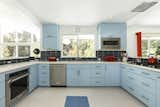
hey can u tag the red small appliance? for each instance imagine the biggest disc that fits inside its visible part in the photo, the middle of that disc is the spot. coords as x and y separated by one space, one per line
152 61
109 58
52 59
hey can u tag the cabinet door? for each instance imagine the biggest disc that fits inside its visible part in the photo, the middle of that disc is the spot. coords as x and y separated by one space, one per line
50 42
73 77
84 75
33 78
2 102
158 92
112 75
50 36
2 90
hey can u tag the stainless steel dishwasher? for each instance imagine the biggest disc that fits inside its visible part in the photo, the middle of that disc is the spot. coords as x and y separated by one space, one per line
58 74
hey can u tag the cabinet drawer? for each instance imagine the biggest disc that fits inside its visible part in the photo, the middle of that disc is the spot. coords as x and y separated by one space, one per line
148 84
99 67
98 83
44 82
46 78
98 74
43 67
146 73
132 89
44 72
147 98
132 78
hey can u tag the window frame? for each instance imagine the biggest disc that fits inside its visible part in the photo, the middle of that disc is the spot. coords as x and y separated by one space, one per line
77 35
18 43
149 39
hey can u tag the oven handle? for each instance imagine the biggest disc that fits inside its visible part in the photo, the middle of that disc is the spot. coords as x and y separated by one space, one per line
17 78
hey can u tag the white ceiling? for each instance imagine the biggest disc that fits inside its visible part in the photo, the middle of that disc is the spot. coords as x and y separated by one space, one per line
81 12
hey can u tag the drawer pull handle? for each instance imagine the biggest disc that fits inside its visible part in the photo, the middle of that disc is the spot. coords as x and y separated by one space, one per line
145 98
131 88
98 82
145 84
131 78
131 69
97 73
145 73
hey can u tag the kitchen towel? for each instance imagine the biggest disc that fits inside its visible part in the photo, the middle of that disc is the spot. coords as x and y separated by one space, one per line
76 101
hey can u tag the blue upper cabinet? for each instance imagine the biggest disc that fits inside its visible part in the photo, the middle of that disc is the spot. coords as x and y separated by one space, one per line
50 36
114 30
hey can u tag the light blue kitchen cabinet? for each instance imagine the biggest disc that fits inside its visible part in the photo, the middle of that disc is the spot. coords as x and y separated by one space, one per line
78 75
112 74
2 90
50 36
73 75
139 82
114 30
33 77
158 90
84 75
43 75
97 75
123 77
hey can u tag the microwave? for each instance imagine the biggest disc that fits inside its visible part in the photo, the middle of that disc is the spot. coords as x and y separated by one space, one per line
110 43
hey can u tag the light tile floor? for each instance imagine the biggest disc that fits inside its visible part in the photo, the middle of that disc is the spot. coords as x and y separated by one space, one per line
98 97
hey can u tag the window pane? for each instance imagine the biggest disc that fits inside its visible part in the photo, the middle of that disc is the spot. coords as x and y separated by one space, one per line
86 45
24 37
86 48
9 51
144 48
9 37
69 46
144 44
153 47
23 51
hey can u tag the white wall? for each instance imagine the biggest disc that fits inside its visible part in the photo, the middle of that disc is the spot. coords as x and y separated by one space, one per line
13 16
131 37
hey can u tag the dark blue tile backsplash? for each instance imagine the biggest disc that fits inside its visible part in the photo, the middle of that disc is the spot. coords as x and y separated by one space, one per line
99 54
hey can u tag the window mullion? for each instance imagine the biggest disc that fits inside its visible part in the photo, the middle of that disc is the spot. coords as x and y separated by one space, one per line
77 45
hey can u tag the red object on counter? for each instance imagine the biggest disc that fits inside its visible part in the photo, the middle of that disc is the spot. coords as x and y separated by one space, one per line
152 60
139 44
109 58
52 59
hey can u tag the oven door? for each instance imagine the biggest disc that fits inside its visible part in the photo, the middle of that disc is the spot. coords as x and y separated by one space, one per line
16 88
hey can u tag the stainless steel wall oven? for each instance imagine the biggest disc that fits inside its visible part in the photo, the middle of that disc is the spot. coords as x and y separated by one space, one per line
17 86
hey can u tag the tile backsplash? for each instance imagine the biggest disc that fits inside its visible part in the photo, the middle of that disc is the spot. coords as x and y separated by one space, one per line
46 54
99 54
117 54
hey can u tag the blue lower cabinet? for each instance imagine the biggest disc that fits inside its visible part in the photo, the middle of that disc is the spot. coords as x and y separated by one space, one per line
78 75
147 98
112 75
43 75
2 102
158 91
2 90
140 85
33 78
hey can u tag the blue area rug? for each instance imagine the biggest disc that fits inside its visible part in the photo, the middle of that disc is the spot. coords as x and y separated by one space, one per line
76 101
